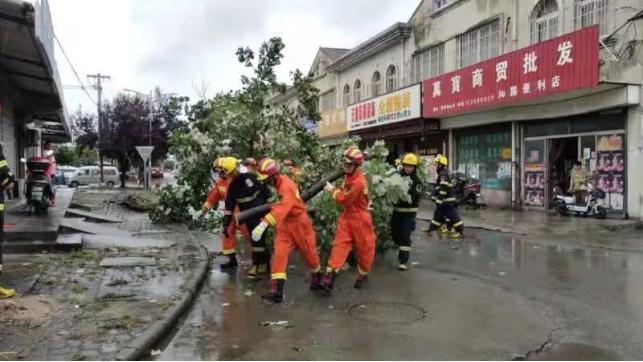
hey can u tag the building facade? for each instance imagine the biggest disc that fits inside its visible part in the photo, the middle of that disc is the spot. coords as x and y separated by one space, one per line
523 145
32 110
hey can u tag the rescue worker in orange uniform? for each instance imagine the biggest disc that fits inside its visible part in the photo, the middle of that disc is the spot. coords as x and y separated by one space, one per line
294 230
217 194
294 170
354 226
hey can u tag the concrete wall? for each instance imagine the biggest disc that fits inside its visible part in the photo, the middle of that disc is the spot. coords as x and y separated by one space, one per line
634 161
398 55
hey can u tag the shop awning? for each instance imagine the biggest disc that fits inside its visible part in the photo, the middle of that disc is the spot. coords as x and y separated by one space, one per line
27 61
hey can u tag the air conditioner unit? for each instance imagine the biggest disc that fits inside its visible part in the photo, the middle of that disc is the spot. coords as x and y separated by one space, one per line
33 138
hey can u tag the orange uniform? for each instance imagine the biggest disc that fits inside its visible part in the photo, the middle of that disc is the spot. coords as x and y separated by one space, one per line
218 193
293 228
354 226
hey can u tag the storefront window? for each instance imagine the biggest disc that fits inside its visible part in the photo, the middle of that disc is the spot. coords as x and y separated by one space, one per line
486 156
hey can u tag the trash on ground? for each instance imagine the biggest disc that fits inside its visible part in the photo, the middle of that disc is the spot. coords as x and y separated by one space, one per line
284 324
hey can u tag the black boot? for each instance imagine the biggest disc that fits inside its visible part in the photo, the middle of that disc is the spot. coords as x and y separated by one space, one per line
328 281
361 281
315 279
276 294
232 262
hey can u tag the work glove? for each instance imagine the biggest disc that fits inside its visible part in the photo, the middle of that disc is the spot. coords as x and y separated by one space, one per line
329 187
259 230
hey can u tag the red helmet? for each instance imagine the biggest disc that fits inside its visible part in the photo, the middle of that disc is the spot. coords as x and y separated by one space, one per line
354 156
266 168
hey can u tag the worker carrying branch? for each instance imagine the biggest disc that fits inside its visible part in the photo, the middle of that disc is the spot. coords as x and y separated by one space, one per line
294 230
354 226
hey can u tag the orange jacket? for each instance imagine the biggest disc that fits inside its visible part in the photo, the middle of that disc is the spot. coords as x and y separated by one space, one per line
353 193
289 204
217 193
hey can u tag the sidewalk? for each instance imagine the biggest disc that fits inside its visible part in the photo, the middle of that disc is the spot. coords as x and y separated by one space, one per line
547 225
112 300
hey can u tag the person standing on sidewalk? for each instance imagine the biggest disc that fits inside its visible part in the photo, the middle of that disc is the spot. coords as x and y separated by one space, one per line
354 226
218 193
6 182
294 230
444 198
404 212
245 192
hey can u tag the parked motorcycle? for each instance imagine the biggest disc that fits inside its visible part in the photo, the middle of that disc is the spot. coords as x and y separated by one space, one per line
39 189
468 191
565 203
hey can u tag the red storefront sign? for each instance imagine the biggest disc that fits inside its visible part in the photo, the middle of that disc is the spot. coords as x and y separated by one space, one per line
562 64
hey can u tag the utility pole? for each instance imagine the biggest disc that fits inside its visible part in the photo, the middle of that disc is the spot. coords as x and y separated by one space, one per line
99 89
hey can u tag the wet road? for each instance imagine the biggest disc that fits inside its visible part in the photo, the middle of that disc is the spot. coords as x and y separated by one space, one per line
492 296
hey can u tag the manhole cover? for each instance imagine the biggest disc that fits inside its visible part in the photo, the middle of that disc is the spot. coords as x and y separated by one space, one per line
387 312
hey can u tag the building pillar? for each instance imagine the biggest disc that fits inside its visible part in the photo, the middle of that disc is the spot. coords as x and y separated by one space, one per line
451 150
634 144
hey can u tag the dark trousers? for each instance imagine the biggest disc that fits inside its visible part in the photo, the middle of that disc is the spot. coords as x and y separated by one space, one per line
1 237
402 225
260 254
443 212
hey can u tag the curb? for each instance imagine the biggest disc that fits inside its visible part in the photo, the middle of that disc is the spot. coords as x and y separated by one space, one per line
142 344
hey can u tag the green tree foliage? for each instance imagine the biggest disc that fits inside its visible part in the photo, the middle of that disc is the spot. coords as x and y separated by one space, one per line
65 154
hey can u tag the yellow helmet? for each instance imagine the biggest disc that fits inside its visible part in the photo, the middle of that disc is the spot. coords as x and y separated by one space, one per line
411 159
228 165
442 160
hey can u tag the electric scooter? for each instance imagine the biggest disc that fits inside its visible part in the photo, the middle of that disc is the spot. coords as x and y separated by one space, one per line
566 203
39 190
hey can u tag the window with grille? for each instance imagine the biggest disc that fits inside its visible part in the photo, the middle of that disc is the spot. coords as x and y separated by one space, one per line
391 78
590 12
327 101
544 21
347 95
357 91
429 63
479 44
376 84
439 4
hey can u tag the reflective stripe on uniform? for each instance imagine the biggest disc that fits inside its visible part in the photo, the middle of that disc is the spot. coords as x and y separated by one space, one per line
405 248
443 192
446 183
406 209
243 200
450 199
4 163
278 276
435 223
228 251
1 207
438 201
258 248
271 220
458 224
222 189
360 271
316 270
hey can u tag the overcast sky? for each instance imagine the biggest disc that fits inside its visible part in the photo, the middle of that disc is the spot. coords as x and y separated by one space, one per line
177 44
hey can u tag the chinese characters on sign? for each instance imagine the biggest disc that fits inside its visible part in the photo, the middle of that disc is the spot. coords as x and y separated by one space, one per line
390 108
562 64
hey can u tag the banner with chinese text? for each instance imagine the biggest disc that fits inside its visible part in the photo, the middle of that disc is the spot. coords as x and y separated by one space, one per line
393 107
562 64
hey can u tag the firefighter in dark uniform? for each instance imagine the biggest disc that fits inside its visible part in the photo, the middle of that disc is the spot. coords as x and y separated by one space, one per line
6 182
246 192
404 212
444 198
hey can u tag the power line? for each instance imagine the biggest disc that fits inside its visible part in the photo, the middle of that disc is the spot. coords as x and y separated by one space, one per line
82 86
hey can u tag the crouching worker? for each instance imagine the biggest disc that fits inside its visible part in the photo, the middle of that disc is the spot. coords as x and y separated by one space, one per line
294 230
444 197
